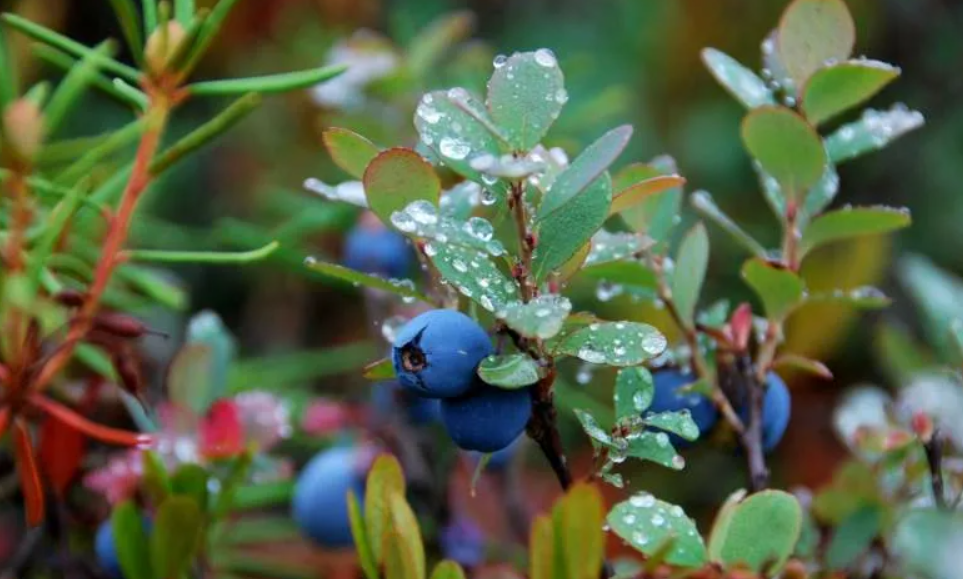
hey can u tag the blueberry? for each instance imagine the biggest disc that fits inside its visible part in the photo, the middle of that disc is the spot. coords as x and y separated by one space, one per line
776 409
487 419
319 505
668 398
500 460
106 551
375 249
436 353
463 542
388 398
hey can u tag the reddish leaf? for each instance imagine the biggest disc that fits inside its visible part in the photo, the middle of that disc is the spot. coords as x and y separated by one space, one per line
741 326
60 451
222 432
29 478
91 429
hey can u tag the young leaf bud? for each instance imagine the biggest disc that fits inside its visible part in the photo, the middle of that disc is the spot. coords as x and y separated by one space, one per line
23 128
161 46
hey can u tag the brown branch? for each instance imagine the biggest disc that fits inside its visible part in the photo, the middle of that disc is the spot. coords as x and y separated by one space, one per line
934 458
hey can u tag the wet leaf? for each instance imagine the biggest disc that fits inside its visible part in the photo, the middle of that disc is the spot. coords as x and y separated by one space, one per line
841 86
937 293
474 275
614 343
812 32
540 318
678 422
404 288
786 147
189 379
525 96
395 178
852 222
873 131
592 428
421 219
655 447
742 83
865 297
206 328
655 215
509 371
634 391
647 524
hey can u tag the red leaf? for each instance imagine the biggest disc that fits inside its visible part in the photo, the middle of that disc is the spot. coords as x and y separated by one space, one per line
60 451
29 478
222 432
741 327
91 429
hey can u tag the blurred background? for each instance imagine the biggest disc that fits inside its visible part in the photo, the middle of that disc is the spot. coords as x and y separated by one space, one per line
625 61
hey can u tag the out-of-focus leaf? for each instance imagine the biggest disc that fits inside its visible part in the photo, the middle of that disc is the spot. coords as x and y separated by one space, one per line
448 569
381 370
614 343
786 147
384 481
271 83
634 391
812 32
474 274
801 363
349 150
742 83
131 541
525 96
939 296
190 378
780 290
176 536
691 265
155 480
873 131
509 371
578 531
760 531
819 195
852 222
565 230
403 288
395 178
865 297
541 559
648 524
191 480
928 542
841 86
436 39
362 542
399 561
404 525
853 537
703 203
207 328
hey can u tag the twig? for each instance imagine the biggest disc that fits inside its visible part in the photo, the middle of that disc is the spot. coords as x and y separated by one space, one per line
934 457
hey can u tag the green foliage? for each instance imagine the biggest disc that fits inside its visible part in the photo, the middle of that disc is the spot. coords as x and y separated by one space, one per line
653 526
760 531
509 372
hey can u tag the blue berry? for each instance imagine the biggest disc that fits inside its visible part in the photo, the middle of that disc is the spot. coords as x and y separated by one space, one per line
376 249
500 460
106 551
388 398
463 542
668 398
319 505
776 410
436 354
487 419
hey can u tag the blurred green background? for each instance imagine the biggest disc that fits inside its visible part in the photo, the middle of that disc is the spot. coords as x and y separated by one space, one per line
625 61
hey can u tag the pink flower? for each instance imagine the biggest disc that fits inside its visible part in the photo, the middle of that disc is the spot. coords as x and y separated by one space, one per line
324 417
265 418
118 479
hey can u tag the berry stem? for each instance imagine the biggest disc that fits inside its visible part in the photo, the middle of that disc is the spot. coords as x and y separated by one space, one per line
934 458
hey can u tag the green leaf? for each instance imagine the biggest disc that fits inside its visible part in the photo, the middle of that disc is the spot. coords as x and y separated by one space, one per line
608 247
421 219
176 536
155 480
184 11
191 481
384 481
362 542
211 26
447 569
229 498
655 447
207 328
760 531
540 318
399 561
853 537
150 15
542 557
691 265
647 524
780 290
510 371
841 86
852 222
474 274
435 40
593 429
678 422
403 288
396 178
812 32
131 541
578 531
927 543
456 126
349 150
634 391
212 257
614 343
68 93
404 524
873 131
742 83
633 273
259 496
381 370
254 530
802 364
126 14
578 177
819 195
8 81
525 96
271 83
703 203
786 147
564 231
70 46
939 297
643 190
655 215
189 380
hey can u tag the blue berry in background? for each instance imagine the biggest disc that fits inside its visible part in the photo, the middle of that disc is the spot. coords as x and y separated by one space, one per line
500 460
373 248
436 353
106 551
776 410
487 419
463 542
387 398
668 397
319 505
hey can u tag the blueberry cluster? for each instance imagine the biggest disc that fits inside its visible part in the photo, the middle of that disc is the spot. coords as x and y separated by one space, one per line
436 356
670 396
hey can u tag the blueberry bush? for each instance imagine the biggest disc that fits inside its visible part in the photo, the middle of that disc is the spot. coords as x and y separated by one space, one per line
473 250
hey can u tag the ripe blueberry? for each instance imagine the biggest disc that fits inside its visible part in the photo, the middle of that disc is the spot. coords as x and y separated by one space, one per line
319 505
668 398
436 353
373 248
106 551
487 419
776 409
500 460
